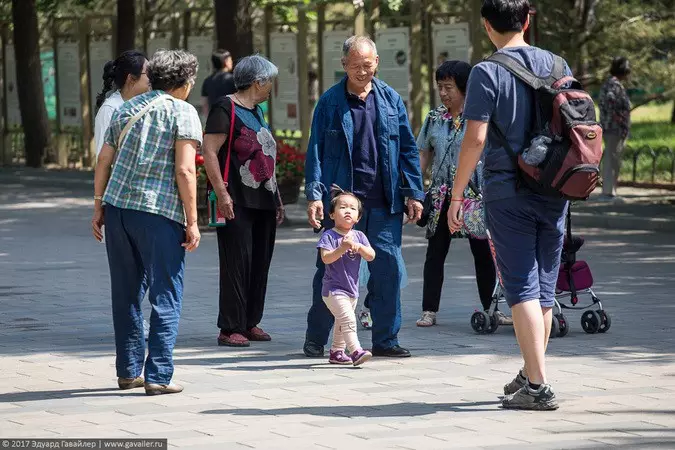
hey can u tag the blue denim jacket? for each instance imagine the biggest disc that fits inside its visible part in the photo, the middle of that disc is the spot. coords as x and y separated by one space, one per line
329 156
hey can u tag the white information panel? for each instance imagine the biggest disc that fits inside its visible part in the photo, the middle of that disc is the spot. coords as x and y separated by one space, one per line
68 85
285 95
393 47
450 42
202 48
158 43
333 71
11 90
100 52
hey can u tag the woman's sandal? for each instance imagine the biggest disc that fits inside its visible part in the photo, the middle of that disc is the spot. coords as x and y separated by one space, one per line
233 340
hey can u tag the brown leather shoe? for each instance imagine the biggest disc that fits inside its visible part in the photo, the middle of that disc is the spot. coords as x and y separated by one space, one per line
130 383
233 340
257 334
160 389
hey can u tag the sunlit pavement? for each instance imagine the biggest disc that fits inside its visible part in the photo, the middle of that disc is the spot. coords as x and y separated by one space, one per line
57 353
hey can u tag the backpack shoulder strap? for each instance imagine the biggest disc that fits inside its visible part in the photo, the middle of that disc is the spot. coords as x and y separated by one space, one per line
558 70
518 70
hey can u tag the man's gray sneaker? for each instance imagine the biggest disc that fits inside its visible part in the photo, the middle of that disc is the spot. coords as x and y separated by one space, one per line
542 399
514 386
503 319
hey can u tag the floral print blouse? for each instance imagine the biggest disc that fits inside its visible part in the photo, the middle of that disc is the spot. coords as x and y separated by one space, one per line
614 108
252 179
442 135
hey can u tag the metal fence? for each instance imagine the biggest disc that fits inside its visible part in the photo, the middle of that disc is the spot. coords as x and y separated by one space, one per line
652 165
70 140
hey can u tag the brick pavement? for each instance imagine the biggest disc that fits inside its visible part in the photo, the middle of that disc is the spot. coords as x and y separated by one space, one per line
58 380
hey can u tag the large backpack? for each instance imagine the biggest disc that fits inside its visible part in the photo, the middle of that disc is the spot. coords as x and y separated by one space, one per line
565 148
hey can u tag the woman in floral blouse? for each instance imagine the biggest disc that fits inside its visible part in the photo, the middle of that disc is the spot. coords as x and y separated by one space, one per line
615 120
249 200
439 143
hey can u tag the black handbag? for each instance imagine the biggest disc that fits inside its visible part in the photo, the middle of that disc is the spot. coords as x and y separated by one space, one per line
426 210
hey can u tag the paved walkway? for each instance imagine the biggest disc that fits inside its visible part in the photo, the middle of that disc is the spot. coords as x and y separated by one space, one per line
57 354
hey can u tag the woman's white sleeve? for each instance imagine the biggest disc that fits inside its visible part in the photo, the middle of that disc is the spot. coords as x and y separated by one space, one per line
101 125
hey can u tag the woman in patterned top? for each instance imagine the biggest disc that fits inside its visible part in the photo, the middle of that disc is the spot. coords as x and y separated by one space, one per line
615 121
149 195
440 142
249 200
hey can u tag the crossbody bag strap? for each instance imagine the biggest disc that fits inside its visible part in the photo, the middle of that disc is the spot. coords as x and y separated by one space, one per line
135 118
446 150
226 171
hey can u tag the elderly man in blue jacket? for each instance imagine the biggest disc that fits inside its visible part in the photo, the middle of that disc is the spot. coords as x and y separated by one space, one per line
361 141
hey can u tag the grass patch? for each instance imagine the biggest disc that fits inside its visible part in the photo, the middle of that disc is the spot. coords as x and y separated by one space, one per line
650 127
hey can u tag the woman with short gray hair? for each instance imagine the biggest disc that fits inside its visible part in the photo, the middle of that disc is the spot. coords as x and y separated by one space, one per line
148 204
248 199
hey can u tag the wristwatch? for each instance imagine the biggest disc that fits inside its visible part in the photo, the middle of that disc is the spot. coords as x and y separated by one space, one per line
98 197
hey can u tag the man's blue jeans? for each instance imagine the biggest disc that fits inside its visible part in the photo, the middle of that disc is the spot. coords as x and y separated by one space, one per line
144 251
383 230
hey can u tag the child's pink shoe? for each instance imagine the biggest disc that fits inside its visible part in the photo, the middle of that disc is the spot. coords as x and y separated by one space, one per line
361 356
339 357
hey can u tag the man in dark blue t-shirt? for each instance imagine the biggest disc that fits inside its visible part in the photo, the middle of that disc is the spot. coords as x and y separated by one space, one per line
527 229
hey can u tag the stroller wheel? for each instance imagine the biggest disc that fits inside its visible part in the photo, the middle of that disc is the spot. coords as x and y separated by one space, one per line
563 326
590 322
555 327
480 322
605 321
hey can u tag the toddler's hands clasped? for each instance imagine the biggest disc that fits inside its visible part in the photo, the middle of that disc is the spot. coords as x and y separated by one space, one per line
349 245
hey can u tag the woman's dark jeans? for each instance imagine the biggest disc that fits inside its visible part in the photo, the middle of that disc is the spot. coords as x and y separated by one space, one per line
144 252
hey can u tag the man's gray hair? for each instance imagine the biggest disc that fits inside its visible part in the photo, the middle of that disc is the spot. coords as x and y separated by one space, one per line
355 42
251 69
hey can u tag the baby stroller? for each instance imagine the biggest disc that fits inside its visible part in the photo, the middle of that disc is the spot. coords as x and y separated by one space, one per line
574 278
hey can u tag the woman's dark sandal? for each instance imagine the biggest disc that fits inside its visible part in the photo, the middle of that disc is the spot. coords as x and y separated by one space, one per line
257 334
130 383
233 340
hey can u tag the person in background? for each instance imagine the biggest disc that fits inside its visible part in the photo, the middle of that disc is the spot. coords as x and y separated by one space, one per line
249 200
615 120
148 203
220 83
439 142
123 79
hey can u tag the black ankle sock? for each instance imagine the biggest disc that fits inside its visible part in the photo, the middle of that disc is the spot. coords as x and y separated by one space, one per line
533 386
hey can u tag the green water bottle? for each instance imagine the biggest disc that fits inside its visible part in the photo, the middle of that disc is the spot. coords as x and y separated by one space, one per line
216 219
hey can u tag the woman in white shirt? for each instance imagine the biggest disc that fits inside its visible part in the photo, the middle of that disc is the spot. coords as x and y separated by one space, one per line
123 79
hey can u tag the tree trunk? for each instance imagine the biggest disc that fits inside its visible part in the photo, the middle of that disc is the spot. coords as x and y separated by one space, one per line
37 136
126 25
584 11
234 27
